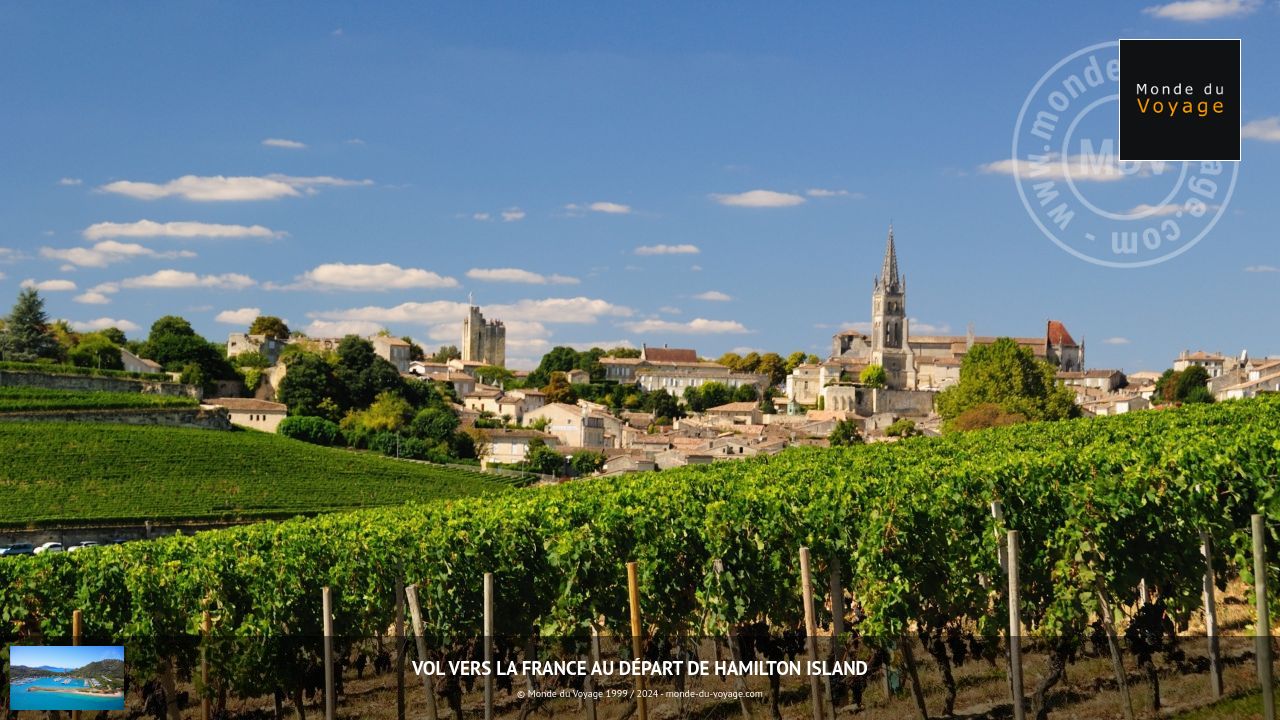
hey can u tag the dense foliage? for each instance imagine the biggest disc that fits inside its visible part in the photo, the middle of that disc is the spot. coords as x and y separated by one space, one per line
1101 504
314 430
22 399
55 369
26 334
1010 377
57 472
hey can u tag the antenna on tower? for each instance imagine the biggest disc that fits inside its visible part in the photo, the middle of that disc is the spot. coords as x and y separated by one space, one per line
470 301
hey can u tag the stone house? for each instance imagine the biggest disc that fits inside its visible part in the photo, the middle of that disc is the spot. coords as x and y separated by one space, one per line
247 412
510 447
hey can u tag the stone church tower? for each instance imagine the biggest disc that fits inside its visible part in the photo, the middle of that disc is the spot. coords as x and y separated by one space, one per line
483 340
889 347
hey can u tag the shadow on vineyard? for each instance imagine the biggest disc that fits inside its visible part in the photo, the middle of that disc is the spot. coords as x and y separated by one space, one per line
1115 527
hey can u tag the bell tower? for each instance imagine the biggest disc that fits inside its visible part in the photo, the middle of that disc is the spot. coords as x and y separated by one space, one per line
889 348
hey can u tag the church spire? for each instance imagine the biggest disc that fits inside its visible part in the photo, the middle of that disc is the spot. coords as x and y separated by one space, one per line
889 278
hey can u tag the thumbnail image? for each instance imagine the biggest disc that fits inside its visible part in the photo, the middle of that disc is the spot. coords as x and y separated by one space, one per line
89 677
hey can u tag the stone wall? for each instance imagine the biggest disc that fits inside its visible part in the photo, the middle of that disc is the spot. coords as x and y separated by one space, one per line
204 417
89 383
103 532
902 402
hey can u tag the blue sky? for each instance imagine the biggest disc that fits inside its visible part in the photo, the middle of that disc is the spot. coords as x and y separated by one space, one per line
583 171
68 657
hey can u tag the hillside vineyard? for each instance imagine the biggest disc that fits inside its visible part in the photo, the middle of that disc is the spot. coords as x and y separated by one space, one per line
1101 504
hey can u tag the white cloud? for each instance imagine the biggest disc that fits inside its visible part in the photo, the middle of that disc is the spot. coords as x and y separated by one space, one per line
512 214
1267 129
2 276
602 344
103 323
70 181
713 296
354 141
243 316
758 199
516 275
667 250
9 255
219 188
179 279
1162 210
481 216
825 193
150 228
107 252
92 297
49 285
1197 10
697 326
384 276
610 207
1080 168
1262 269
1116 341
670 310
341 328
283 143
575 310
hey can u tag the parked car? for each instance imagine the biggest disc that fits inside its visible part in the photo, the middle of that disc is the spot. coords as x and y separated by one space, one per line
49 547
83 545
18 549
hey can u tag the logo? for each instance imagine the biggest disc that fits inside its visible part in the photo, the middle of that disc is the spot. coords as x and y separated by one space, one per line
1067 168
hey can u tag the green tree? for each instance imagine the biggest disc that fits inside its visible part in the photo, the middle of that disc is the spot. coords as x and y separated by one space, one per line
795 360
845 433
663 405
269 325
115 335
709 395
559 359
251 359
542 459
586 462
873 376
493 375
1192 386
558 390
95 350
1010 377
311 388
774 366
745 393
434 423
445 354
416 353
364 374
902 427
27 335
175 345
388 413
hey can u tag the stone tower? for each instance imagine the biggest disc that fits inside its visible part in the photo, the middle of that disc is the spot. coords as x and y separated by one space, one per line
889 347
483 340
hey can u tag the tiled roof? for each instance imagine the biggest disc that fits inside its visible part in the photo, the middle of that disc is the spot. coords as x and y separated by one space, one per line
663 354
247 404
1058 334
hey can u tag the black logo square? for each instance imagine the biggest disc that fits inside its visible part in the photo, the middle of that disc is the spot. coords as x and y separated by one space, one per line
1179 100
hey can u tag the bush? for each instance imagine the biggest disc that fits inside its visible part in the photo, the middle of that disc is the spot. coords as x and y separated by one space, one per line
314 430
902 428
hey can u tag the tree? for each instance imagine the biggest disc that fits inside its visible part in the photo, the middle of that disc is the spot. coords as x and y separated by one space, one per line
902 427
873 376
1193 385
363 373
311 388
65 335
560 359
314 430
774 366
175 345
664 405
709 395
434 423
586 462
115 335
745 393
96 351
766 402
795 360
445 354
844 434
27 336
558 390
388 413
269 325
543 460
986 415
1010 377
416 353
493 375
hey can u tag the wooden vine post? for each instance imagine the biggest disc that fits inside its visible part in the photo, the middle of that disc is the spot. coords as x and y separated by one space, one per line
811 633
637 640
1113 643
330 700
488 645
836 595
77 634
401 648
1015 627
415 612
206 629
1211 616
1263 630
735 653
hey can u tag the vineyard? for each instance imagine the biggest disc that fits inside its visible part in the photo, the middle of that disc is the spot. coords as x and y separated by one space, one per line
76 370
26 399
63 473
1102 506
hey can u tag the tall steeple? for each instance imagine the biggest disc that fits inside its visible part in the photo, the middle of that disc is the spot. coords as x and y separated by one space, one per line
889 278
